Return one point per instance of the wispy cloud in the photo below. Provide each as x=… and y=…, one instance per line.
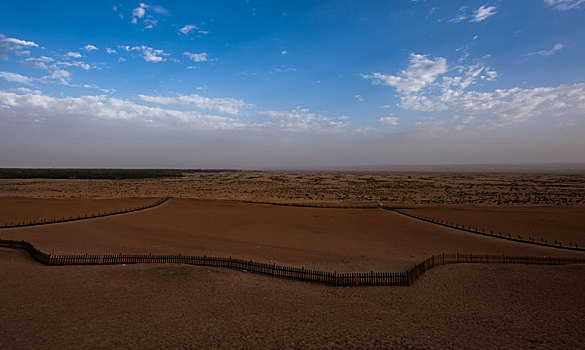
x=509, y=106
x=393, y=121
x=140, y=13
x=564, y=5
x=198, y=57
x=73, y=54
x=302, y=119
x=148, y=53
x=497, y=108
x=187, y=29
x=224, y=105
x=14, y=46
x=550, y=52
x=421, y=71
x=483, y=13
x=285, y=68
x=49, y=63
x=17, y=78
x=108, y=108
x=90, y=48
x=479, y=15
x=34, y=104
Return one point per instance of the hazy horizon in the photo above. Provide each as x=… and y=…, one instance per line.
x=291, y=85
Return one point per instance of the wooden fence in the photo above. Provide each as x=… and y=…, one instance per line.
x=516, y=238
x=81, y=217
x=301, y=274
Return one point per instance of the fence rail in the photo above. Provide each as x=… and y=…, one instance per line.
x=301, y=274
x=529, y=240
x=82, y=217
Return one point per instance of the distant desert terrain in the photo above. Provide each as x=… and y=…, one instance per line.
x=330, y=221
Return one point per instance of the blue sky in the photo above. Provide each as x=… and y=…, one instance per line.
x=291, y=83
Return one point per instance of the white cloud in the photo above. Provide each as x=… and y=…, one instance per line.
x=140, y=11
x=14, y=46
x=90, y=48
x=109, y=50
x=359, y=98
x=284, y=52
x=497, y=108
x=393, y=121
x=29, y=104
x=302, y=119
x=224, y=105
x=478, y=15
x=197, y=57
x=61, y=75
x=483, y=13
x=48, y=63
x=150, y=23
x=108, y=108
x=421, y=71
x=39, y=62
x=73, y=54
x=461, y=16
x=564, y=5
x=160, y=10
x=188, y=28
x=504, y=106
x=550, y=52
x=19, y=42
x=17, y=78
x=148, y=53
x=285, y=68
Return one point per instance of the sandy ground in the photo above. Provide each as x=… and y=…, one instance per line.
x=393, y=189
x=26, y=209
x=550, y=223
x=177, y=306
x=333, y=239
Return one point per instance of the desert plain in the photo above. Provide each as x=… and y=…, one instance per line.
x=330, y=221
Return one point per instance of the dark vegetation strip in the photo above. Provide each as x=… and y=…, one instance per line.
x=99, y=174
x=483, y=232
x=312, y=205
x=82, y=217
x=301, y=274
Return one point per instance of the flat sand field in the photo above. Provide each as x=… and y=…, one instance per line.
x=14, y=210
x=178, y=306
x=549, y=223
x=345, y=240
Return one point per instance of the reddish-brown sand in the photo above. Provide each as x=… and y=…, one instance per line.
x=15, y=210
x=332, y=239
x=177, y=306
x=549, y=223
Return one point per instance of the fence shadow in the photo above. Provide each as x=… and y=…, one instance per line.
x=301, y=274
